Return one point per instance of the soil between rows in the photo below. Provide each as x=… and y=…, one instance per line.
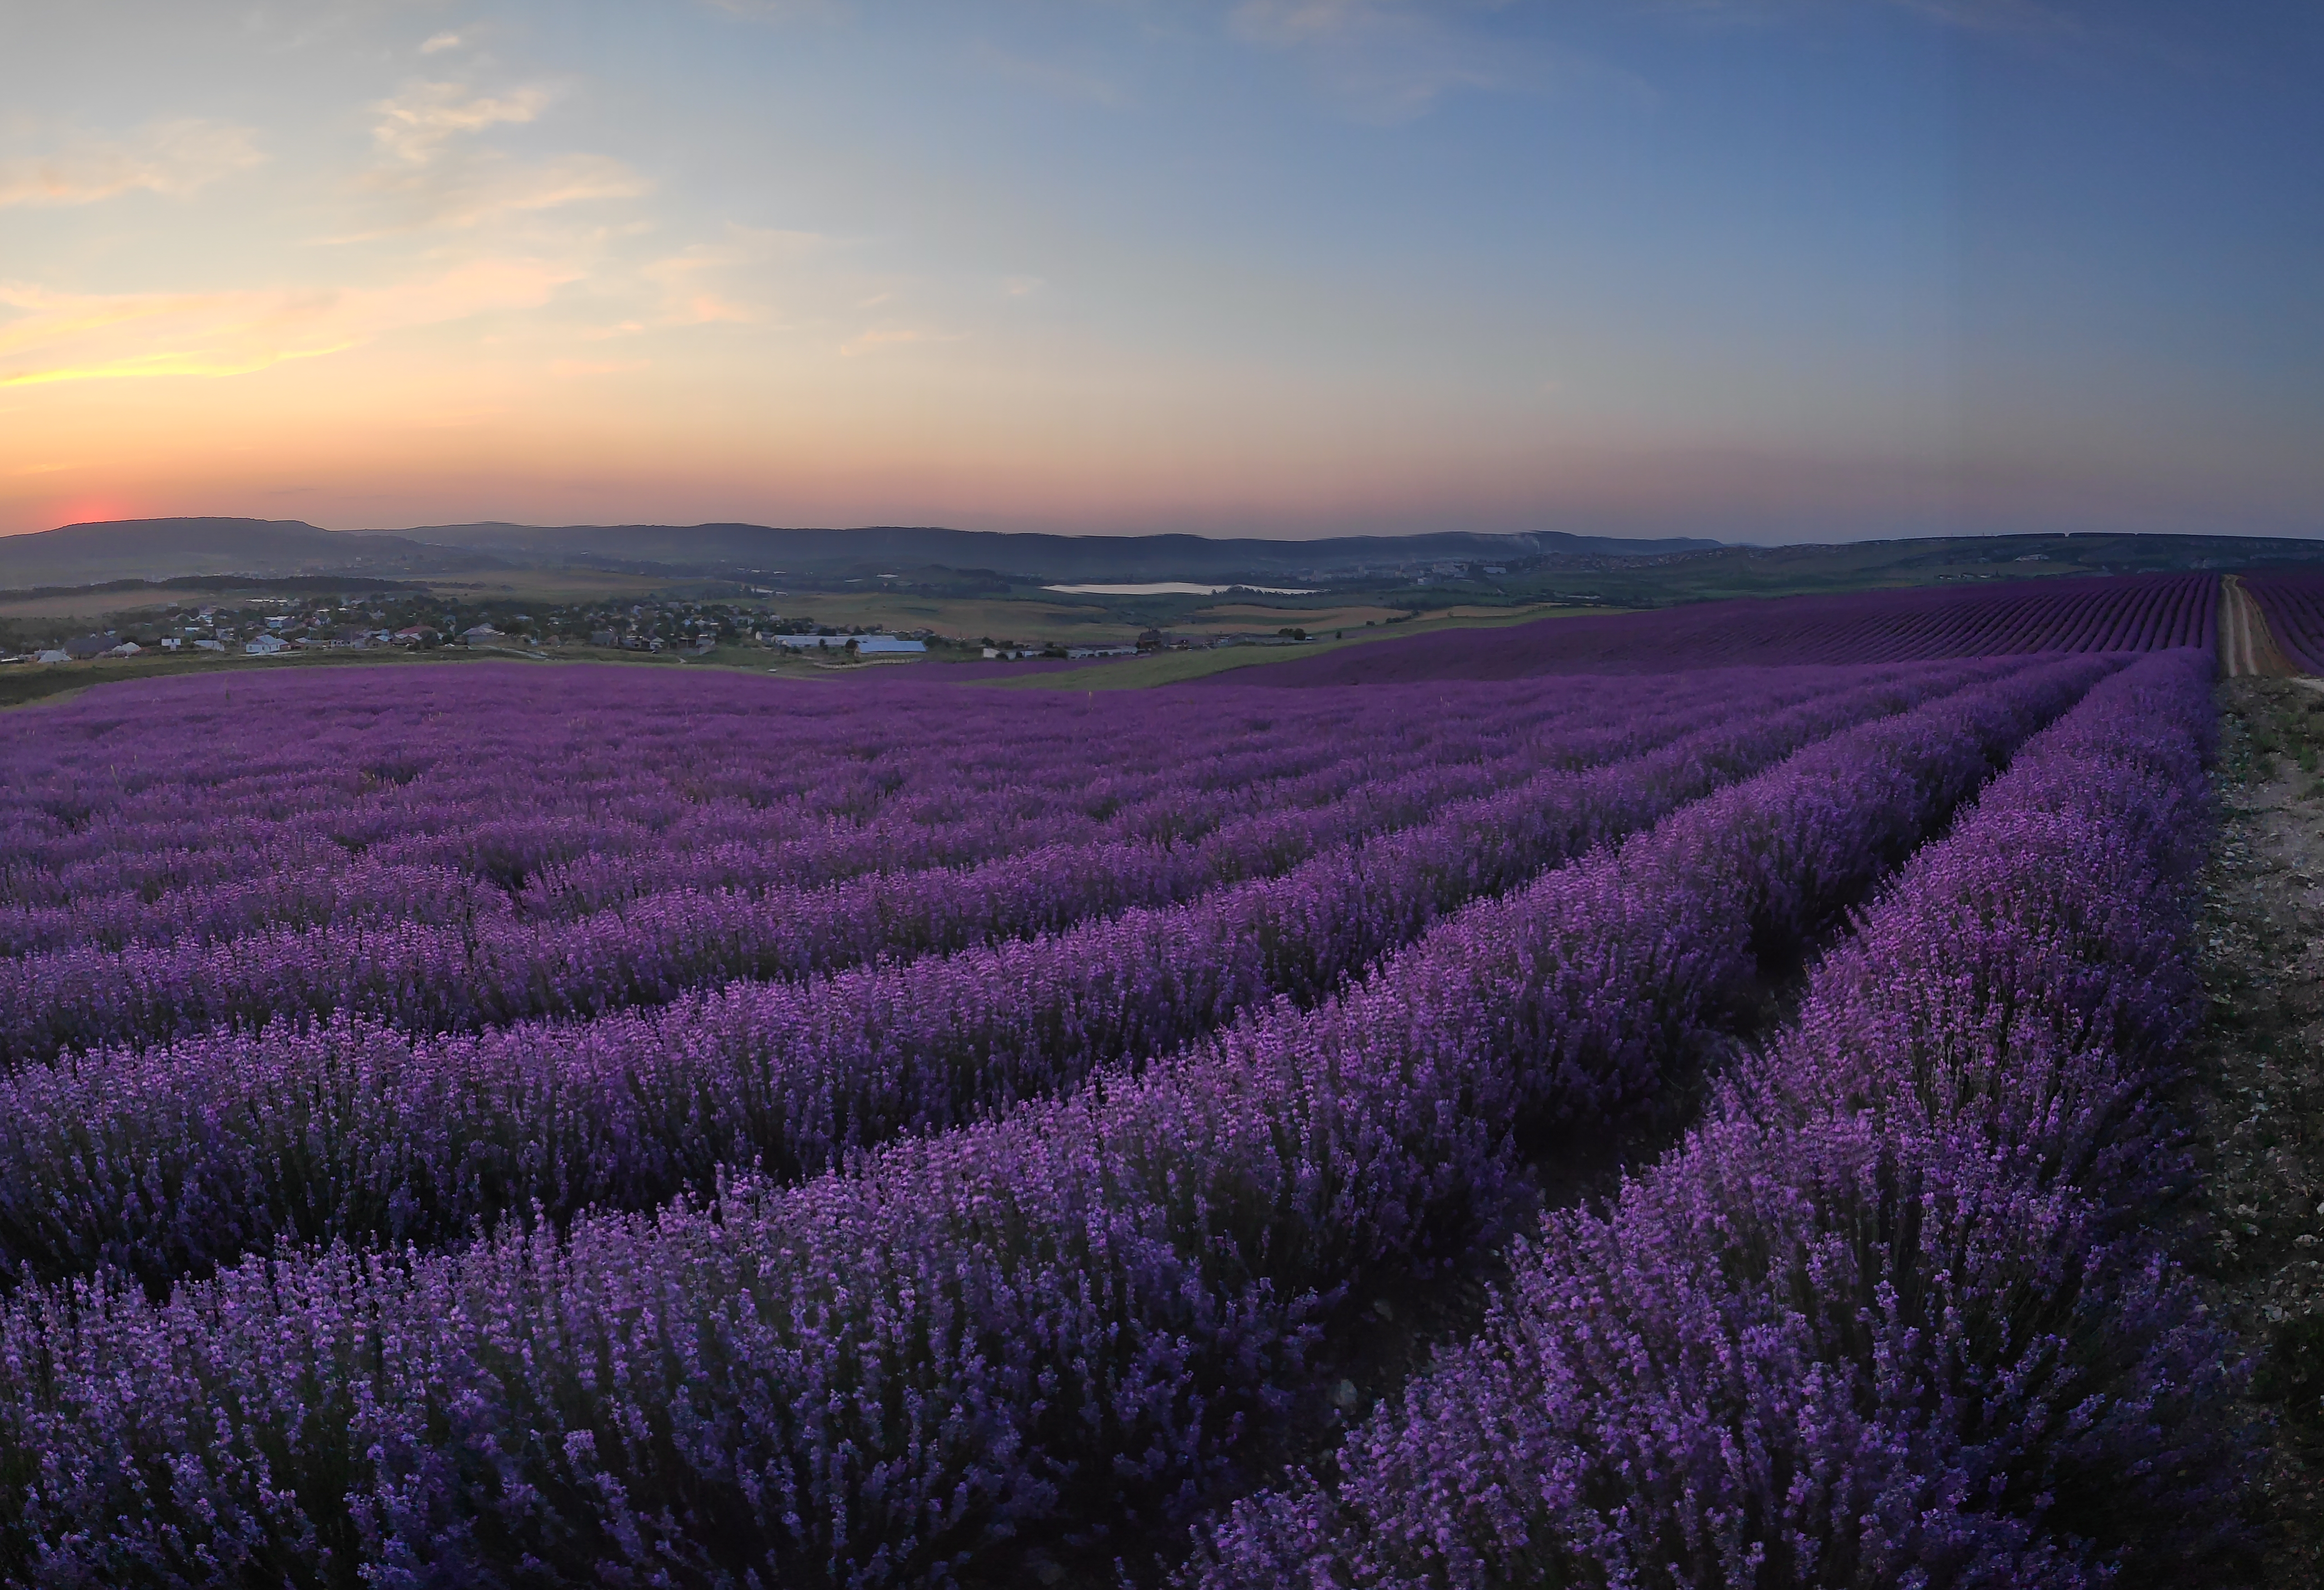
x=2255, y=1099
x=1370, y=1355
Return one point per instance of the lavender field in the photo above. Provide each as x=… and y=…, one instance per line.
x=594, y=1126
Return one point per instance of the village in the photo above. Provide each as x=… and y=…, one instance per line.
x=280, y=626
x=409, y=620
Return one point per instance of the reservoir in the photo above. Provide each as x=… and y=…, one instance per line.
x=1173, y=587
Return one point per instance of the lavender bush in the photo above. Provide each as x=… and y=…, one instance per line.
x=185, y=1156
x=559, y=795
x=466, y=957
x=1066, y=1318
x=2142, y=612
x=1883, y=1320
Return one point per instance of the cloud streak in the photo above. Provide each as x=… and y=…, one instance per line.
x=2015, y=19
x=174, y=159
x=60, y=337
x=567, y=369
x=416, y=124
x=1050, y=79
x=1390, y=61
x=692, y=281
x=885, y=337
x=467, y=194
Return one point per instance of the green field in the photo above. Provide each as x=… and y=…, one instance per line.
x=1170, y=668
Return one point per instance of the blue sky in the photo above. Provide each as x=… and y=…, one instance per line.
x=1747, y=268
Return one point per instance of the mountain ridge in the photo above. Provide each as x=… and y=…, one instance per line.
x=164, y=548
x=157, y=549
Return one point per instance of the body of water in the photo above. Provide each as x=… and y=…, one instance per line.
x=1173, y=587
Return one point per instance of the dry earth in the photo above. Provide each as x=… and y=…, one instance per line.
x=2247, y=647
x=2256, y=1100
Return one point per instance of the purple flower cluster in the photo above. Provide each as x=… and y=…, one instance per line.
x=923, y=1363
x=454, y=911
x=2142, y=612
x=1892, y=1316
x=187, y=1155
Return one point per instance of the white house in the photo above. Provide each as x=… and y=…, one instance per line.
x=266, y=645
x=865, y=646
x=126, y=649
x=54, y=654
x=207, y=644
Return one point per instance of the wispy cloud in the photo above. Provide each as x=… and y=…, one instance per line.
x=174, y=158
x=415, y=125
x=699, y=283
x=566, y=369
x=888, y=337
x=473, y=192
x=60, y=337
x=2020, y=19
x=440, y=42
x=782, y=10
x=1390, y=61
x=1299, y=22
x=1050, y=79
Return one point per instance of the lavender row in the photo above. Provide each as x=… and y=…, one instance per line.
x=433, y=977
x=1890, y=1316
x=517, y=787
x=2294, y=602
x=2136, y=612
x=933, y=1361
x=226, y=853
x=184, y=1157
x=1191, y=800
x=385, y=883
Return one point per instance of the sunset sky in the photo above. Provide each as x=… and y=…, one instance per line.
x=1756, y=269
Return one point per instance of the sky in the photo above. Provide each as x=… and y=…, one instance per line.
x=1761, y=269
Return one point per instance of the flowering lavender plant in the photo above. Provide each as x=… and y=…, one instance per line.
x=454, y=912
x=1882, y=1318
x=919, y=1363
x=184, y=1155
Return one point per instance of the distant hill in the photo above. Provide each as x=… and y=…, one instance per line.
x=1546, y=564
x=722, y=548
x=161, y=548
x=165, y=549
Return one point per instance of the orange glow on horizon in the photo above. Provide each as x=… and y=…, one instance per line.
x=94, y=510
x=731, y=261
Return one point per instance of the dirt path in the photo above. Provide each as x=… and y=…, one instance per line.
x=2248, y=647
x=2256, y=1101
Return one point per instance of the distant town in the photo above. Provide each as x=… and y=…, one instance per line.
x=281, y=625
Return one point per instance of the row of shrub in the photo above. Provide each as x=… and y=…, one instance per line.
x=1084, y=1316
x=1897, y=1313
x=189, y=1154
